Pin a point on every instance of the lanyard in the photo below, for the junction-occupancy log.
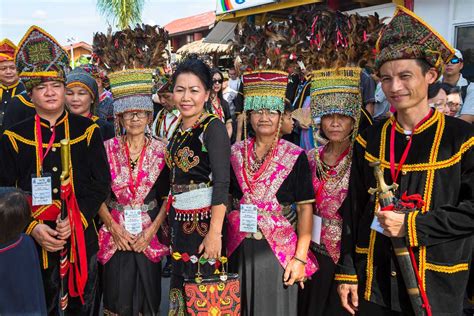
(39, 137)
(407, 148)
(131, 183)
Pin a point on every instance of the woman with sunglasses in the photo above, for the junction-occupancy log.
(129, 249)
(216, 104)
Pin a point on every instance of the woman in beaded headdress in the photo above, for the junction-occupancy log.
(198, 158)
(268, 175)
(130, 251)
(337, 100)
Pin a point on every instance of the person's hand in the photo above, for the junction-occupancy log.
(211, 245)
(63, 227)
(349, 298)
(294, 272)
(143, 239)
(304, 126)
(47, 238)
(122, 238)
(392, 223)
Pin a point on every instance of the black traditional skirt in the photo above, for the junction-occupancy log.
(319, 296)
(132, 285)
(261, 281)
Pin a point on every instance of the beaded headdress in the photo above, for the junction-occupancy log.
(131, 55)
(40, 58)
(265, 90)
(132, 90)
(7, 50)
(336, 91)
(407, 36)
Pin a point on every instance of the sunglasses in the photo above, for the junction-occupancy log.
(217, 81)
(455, 60)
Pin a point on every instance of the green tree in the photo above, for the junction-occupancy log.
(122, 12)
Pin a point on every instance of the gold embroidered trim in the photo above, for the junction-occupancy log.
(345, 277)
(447, 269)
(361, 141)
(84, 221)
(427, 166)
(25, 102)
(370, 268)
(43, 208)
(87, 134)
(32, 226)
(411, 224)
(363, 251)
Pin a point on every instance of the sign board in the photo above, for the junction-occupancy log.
(226, 6)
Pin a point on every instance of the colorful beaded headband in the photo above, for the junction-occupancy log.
(265, 90)
(336, 91)
(131, 90)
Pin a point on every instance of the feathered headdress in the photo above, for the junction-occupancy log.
(141, 47)
(132, 56)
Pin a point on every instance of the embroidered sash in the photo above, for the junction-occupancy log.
(277, 230)
(327, 206)
(153, 163)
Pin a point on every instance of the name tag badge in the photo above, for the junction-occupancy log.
(133, 221)
(376, 225)
(41, 190)
(316, 233)
(248, 218)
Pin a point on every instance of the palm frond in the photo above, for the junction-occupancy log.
(122, 12)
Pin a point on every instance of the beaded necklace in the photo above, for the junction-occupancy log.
(251, 176)
(175, 144)
(331, 176)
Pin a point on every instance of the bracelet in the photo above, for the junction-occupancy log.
(298, 259)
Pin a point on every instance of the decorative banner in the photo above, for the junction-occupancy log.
(226, 6)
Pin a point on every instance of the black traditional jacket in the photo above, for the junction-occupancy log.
(6, 94)
(19, 108)
(90, 169)
(439, 167)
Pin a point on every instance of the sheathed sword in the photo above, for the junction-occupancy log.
(64, 258)
(386, 198)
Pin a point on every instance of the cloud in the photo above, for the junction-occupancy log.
(40, 15)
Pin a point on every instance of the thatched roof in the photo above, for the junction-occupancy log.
(201, 48)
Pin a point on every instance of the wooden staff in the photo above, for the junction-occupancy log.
(64, 258)
(386, 198)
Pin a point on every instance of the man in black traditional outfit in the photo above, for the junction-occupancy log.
(31, 160)
(10, 84)
(431, 158)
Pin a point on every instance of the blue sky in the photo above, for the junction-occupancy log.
(79, 19)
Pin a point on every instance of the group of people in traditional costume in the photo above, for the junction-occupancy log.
(308, 232)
